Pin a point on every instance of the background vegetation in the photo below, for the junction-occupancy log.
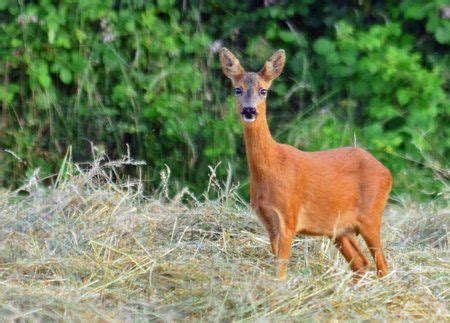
(145, 74)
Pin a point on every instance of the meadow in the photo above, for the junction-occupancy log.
(92, 247)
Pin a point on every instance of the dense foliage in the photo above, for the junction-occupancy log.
(143, 76)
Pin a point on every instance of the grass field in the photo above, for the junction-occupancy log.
(91, 247)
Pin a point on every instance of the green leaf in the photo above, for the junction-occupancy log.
(51, 36)
(45, 80)
(415, 11)
(442, 35)
(4, 4)
(42, 74)
(324, 46)
(65, 75)
(403, 95)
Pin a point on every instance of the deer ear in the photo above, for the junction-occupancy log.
(230, 64)
(274, 66)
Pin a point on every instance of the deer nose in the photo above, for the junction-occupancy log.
(249, 111)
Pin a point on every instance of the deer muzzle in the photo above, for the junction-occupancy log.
(249, 114)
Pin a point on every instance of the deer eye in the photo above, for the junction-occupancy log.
(238, 91)
(262, 91)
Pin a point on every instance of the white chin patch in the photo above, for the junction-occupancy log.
(251, 119)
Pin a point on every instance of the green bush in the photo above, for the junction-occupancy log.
(142, 74)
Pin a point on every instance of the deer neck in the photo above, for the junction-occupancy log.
(259, 145)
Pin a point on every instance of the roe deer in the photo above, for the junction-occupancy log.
(338, 193)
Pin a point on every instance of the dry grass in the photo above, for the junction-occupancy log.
(90, 248)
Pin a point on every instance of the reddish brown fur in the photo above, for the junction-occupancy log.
(338, 193)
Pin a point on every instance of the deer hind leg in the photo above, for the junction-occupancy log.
(349, 248)
(373, 240)
(355, 244)
(369, 228)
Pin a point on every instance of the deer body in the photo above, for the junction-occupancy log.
(337, 193)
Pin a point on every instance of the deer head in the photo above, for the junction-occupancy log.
(251, 88)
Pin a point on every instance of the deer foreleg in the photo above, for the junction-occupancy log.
(284, 251)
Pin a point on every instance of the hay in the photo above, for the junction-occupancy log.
(93, 248)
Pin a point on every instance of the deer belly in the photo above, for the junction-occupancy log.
(325, 222)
